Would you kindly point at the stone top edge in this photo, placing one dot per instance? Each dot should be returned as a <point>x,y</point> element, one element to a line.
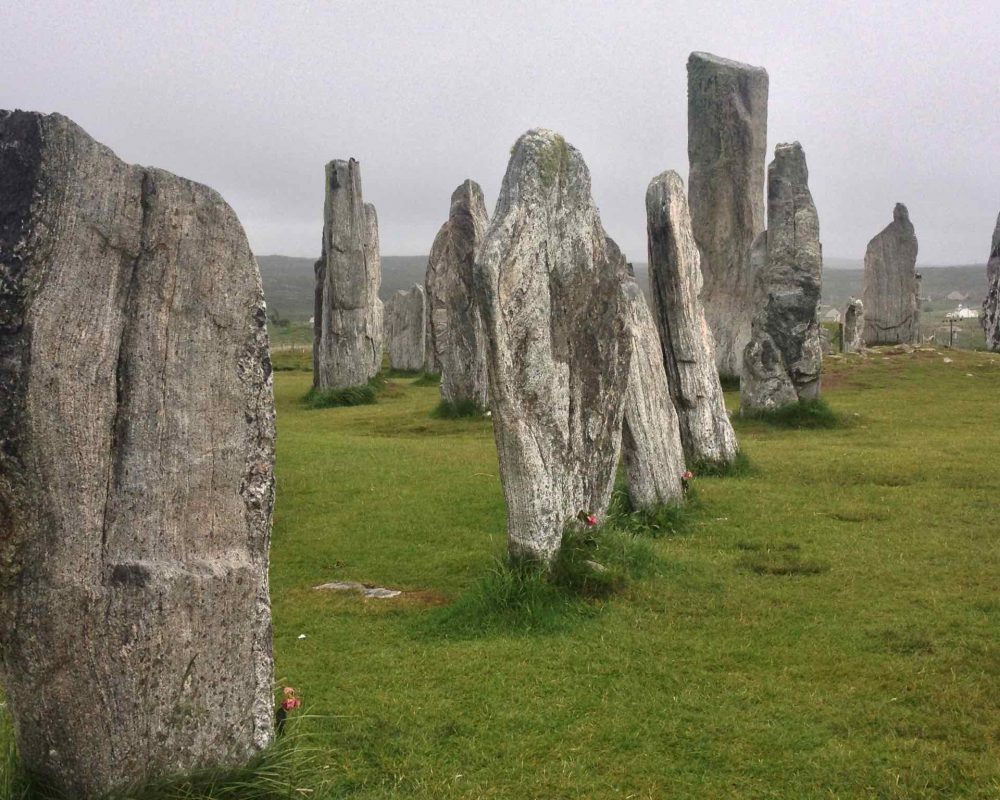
<point>711,58</point>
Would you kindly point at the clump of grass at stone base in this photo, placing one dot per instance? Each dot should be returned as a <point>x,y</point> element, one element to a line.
<point>427,379</point>
<point>668,519</point>
<point>457,409</point>
<point>524,597</point>
<point>291,767</point>
<point>350,396</point>
<point>805,414</point>
<point>739,467</point>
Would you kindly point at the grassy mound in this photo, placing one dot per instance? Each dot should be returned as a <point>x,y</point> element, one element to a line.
<point>805,414</point>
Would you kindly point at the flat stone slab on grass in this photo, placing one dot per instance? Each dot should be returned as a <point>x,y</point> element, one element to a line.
<point>366,589</point>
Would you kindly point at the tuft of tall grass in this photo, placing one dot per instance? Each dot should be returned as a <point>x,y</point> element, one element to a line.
<point>351,396</point>
<point>457,409</point>
<point>805,414</point>
<point>662,520</point>
<point>427,379</point>
<point>739,467</point>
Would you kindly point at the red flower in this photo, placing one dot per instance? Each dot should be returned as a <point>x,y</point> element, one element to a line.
<point>590,519</point>
<point>291,701</point>
<point>688,475</point>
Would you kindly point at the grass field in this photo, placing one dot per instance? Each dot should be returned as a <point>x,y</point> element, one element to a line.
<point>827,626</point>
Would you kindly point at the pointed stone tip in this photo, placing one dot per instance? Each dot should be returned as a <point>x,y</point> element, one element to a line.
<point>467,193</point>
<point>900,213</point>
<point>701,57</point>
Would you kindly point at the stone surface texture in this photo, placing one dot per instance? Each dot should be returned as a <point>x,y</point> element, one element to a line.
<point>136,466</point>
<point>991,306</point>
<point>455,328</point>
<point>727,148</point>
<point>688,349</point>
<point>892,286</point>
<point>558,344</point>
<point>854,326</point>
<point>784,357</point>
<point>348,318</point>
<point>405,329</point>
<point>652,452</point>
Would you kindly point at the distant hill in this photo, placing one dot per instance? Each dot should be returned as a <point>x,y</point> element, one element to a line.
<point>289,282</point>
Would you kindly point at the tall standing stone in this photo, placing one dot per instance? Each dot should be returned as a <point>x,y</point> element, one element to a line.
<point>991,306</point>
<point>688,350</point>
<point>405,328</point>
<point>558,344</point>
<point>892,285</point>
<point>652,452</point>
<point>727,148</point>
<point>348,320</point>
<point>854,327</point>
<point>136,466</point>
<point>783,359</point>
<point>458,340</point>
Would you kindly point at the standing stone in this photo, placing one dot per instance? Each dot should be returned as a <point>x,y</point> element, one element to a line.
<point>782,361</point>
<point>727,148</point>
<point>991,306</point>
<point>136,467</point>
<point>854,327</point>
<point>651,438</point>
<point>558,344</point>
<point>405,329</point>
<point>458,341</point>
<point>347,337</point>
<point>892,286</point>
<point>688,349</point>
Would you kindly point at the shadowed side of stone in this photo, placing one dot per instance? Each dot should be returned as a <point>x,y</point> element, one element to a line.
<point>457,347</point>
<point>991,306</point>
<point>405,328</point>
<point>783,359</point>
<point>727,149</point>
<point>652,452</point>
<point>136,466</point>
<point>688,348</point>
<point>559,346</point>
<point>348,321</point>
<point>892,285</point>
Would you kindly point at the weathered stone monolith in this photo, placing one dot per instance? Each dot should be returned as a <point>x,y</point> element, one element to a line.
<point>456,328</point>
<point>405,328</point>
<point>783,359</point>
<point>558,344</point>
<point>854,326</point>
<point>991,306</point>
<point>892,286</point>
<point>652,452</point>
<point>348,320</point>
<point>136,467</point>
<point>436,339</point>
<point>688,348</point>
<point>727,148</point>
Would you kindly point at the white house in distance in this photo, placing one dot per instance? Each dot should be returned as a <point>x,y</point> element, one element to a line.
<point>962,313</point>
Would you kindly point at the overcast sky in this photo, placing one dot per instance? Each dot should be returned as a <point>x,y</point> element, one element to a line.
<point>891,101</point>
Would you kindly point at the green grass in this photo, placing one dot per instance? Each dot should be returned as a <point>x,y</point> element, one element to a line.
<point>811,414</point>
<point>739,467</point>
<point>827,626</point>
<point>349,396</point>
<point>427,379</point>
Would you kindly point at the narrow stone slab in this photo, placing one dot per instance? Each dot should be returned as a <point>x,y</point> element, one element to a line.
<point>727,148</point>
<point>652,452</point>
<point>348,319</point>
<point>136,467</point>
<point>892,285</point>
<point>783,359</point>
<point>991,306</point>
<point>405,328</point>
<point>559,348</point>
<point>688,348</point>
<point>854,326</point>
<point>457,338</point>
